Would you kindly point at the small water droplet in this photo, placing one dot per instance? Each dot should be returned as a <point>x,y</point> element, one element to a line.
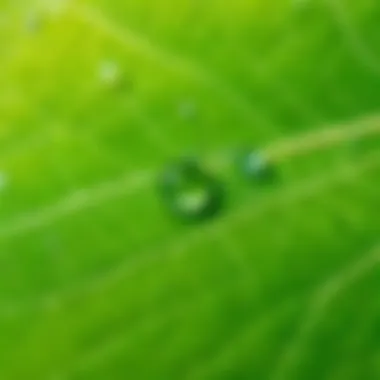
<point>110,73</point>
<point>254,165</point>
<point>190,192</point>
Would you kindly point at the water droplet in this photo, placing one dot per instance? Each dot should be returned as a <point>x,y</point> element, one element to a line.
<point>110,73</point>
<point>254,165</point>
<point>190,192</point>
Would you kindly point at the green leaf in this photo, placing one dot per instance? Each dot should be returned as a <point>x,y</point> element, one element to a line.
<point>97,281</point>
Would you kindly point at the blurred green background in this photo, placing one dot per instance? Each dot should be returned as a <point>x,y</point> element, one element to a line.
<point>97,282</point>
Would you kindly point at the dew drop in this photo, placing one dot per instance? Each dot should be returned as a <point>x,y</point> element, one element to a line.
<point>110,73</point>
<point>190,192</point>
<point>254,165</point>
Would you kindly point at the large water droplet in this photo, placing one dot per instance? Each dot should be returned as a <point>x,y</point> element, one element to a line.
<point>190,192</point>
